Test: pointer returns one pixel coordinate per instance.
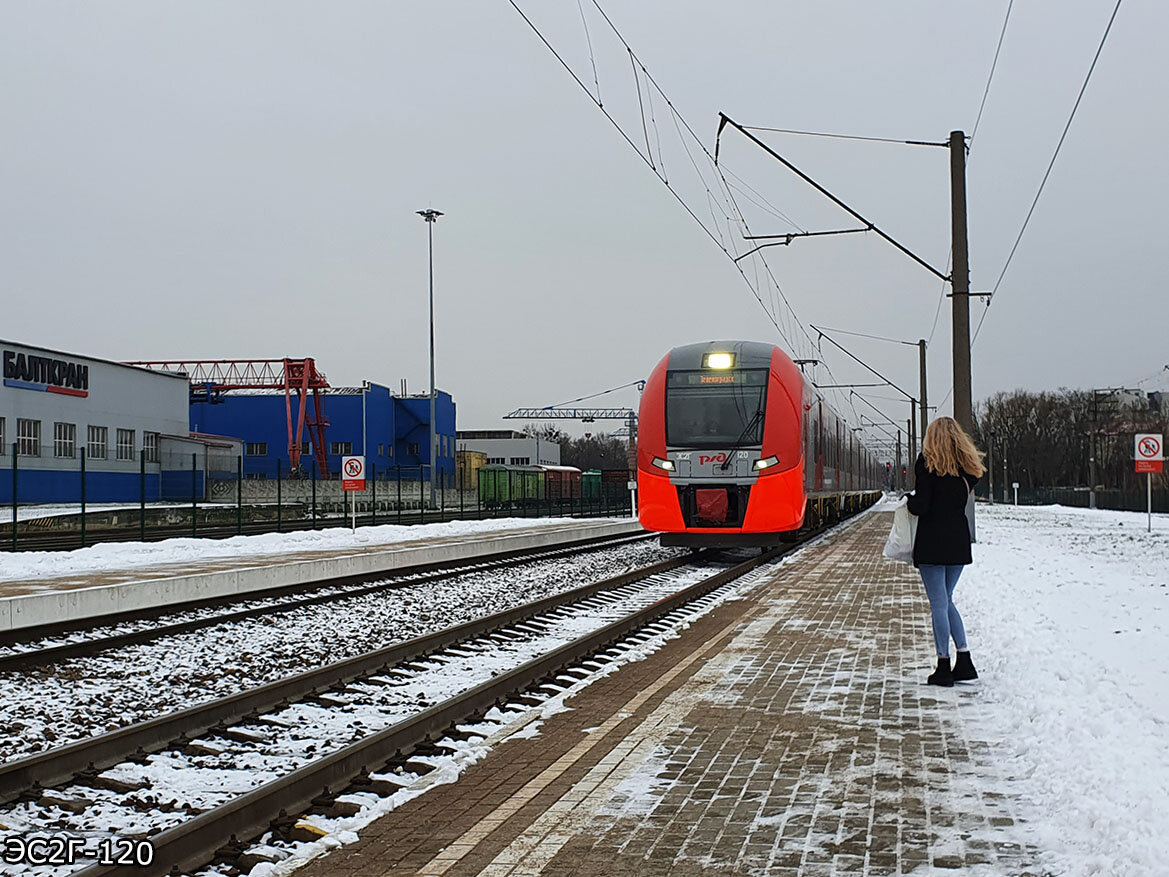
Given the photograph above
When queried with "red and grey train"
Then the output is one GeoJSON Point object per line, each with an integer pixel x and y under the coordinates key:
{"type": "Point", "coordinates": [737, 448]}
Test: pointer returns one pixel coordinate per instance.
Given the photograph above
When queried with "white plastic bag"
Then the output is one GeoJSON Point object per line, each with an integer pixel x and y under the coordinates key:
{"type": "Point", "coordinates": [899, 545]}
{"type": "Point", "coordinates": [970, 515]}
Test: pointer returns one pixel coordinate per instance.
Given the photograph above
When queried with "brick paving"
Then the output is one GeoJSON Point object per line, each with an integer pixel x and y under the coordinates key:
{"type": "Point", "coordinates": [786, 733]}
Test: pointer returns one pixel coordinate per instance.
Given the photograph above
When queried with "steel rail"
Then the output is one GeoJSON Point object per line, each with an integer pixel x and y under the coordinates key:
{"type": "Point", "coordinates": [501, 558]}
{"type": "Point", "coordinates": [58, 765]}
{"type": "Point", "coordinates": [86, 648]}
{"type": "Point", "coordinates": [192, 844]}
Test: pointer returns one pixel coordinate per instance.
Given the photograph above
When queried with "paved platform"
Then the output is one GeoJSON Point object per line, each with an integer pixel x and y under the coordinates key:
{"type": "Point", "coordinates": [43, 600]}
{"type": "Point", "coordinates": [786, 733]}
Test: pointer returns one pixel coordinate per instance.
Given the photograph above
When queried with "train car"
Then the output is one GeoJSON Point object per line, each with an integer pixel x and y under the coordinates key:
{"type": "Point", "coordinates": [561, 483]}
{"type": "Point", "coordinates": [610, 486]}
{"type": "Point", "coordinates": [510, 486]}
{"type": "Point", "coordinates": [590, 485]}
{"type": "Point", "coordinates": [737, 448]}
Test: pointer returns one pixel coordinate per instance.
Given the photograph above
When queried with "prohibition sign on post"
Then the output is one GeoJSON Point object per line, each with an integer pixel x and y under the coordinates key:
{"type": "Point", "coordinates": [1149, 452]}
{"type": "Point", "coordinates": [353, 473]}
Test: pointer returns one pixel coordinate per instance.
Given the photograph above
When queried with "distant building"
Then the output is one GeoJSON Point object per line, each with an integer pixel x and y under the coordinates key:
{"type": "Point", "coordinates": [128, 423]}
{"type": "Point", "coordinates": [510, 448]}
{"type": "Point", "coordinates": [391, 432]}
{"type": "Point", "coordinates": [1126, 399]}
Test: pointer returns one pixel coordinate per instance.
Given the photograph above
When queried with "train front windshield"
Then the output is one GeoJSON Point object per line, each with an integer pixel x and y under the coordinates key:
{"type": "Point", "coordinates": [715, 408]}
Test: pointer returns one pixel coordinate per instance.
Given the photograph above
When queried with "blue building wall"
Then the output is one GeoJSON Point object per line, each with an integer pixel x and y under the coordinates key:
{"type": "Point", "coordinates": [412, 443]}
{"type": "Point", "coordinates": [57, 486]}
{"type": "Point", "coordinates": [392, 425]}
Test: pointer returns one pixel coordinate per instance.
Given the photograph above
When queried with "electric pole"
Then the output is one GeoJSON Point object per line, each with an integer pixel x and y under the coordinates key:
{"type": "Point", "coordinates": [924, 403]}
{"type": "Point", "coordinates": [897, 476]}
{"type": "Point", "coordinates": [911, 456]}
{"type": "Point", "coordinates": [430, 216]}
{"type": "Point", "coordinates": [960, 292]}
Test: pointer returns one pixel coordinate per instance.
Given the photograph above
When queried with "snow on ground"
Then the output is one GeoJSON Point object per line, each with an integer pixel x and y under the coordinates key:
{"type": "Point", "coordinates": [1067, 611]}
{"type": "Point", "coordinates": [108, 556]}
{"type": "Point", "coordinates": [35, 512]}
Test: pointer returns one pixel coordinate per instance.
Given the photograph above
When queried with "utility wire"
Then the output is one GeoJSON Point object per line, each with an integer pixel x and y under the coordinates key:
{"type": "Point", "coordinates": [990, 78]}
{"type": "Point", "coordinates": [717, 232]}
{"type": "Point", "coordinates": [1050, 165]}
{"type": "Point", "coordinates": [595, 395]}
{"type": "Point", "coordinates": [846, 136]}
{"type": "Point", "coordinates": [1043, 182]}
{"type": "Point", "coordinates": [592, 57]}
{"type": "Point", "coordinates": [864, 335]}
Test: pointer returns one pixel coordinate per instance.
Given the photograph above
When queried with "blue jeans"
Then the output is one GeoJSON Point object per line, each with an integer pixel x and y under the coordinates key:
{"type": "Point", "coordinates": [939, 584]}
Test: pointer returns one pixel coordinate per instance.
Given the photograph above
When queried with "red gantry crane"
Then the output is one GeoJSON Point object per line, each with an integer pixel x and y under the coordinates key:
{"type": "Point", "coordinates": [212, 377]}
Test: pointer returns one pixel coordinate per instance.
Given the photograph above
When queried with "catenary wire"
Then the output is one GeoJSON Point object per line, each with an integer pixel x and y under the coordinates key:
{"type": "Point", "coordinates": [680, 120]}
{"type": "Point", "coordinates": [845, 136]}
{"type": "Point", "coordinates": [1047, 173]}
{"type": "Point", "coordinates": [1043, 182]}
{"type": "Point", "coordinates": [589, 41]}
{"type": "Point", "coordinates": [990, 78]}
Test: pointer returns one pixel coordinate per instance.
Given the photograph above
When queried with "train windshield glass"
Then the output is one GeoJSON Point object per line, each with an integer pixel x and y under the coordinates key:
{"type": "Point", "coordinates": [715, 409]}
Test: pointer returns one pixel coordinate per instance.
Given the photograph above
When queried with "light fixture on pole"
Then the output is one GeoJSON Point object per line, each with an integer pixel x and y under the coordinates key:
{"type": "Point", "coordinates": [430, 216]}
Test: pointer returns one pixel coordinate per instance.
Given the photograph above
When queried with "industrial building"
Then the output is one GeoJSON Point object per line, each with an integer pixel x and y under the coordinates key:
{"type": "Point", "coordinates": [510, 448]}
{"type": "Point", "coordinates": [391, 432]}
{"type": "Point", "coordinates": [126, 428]}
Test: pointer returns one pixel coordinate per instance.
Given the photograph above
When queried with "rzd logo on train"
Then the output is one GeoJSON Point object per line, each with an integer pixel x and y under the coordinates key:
{"type": "Point", "coordinates": [703, 459]}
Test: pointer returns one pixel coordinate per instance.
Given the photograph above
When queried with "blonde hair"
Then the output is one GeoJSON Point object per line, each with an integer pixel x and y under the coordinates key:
{"type": "Point", "coordinates": [948, 450]}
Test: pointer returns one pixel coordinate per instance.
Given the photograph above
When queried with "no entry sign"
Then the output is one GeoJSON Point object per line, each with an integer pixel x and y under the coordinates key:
{"type": "Point", "coordinates": [353, 473]}
{"type": "Point", "coordinates": [1149, 452]}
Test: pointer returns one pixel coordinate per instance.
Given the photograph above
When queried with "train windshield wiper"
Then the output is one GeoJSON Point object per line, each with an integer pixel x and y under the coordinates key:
{"type": "Point", "coordinates": [746, 429]}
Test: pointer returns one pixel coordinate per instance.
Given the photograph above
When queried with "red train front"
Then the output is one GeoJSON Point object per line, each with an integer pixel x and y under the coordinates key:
{"type": "Point", "coordinates": [732, 444]}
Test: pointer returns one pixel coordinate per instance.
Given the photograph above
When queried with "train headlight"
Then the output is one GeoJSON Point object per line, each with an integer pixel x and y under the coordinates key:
{"type": "Point", "coordinates": [718, 360]}
{"type": "Point", "coordinates": [668, 465]}
{"type": "Point", "coordinates": [767, 462]}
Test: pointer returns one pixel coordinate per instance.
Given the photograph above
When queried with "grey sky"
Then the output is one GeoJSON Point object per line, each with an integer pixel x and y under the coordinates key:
{"type": "Point", "coordinates": [241, 179]}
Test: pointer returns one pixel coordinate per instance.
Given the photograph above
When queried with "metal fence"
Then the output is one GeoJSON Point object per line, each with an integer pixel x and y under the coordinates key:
{"type": "Point", "coordinates": [1120, 500]}
{"type": "Point", "coordinates": [72, 502]}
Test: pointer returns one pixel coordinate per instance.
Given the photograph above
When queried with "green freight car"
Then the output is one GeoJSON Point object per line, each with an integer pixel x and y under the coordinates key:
{"type": "Point", "coordinates": [510, 487]}
{"type": "Point", "coordinates": [590, 486]}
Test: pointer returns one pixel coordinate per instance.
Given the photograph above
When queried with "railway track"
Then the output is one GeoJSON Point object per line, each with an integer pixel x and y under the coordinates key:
{"type": "Point", "coordinates": [356, 727]}
{"type": "Point", "coordinates": [46, 644]}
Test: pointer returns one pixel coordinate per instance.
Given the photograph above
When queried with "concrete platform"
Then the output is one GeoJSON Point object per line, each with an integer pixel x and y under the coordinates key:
{"type": "Point", "coordinates": [788, 733]}
{"type": "Point", "coordinates": [77, 597]}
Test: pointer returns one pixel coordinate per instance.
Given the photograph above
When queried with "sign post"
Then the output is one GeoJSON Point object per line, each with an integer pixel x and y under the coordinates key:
{"type": "Point", "coordinates": [1149, 455]}
{"type": "Point", "coordinates": [1015, 487]}
{"type": "Point", "coordinates": [353, 478]}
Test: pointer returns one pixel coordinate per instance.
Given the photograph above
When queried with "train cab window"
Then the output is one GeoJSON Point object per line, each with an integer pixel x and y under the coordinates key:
{"type": "Point", "coordinates": [705, 409]}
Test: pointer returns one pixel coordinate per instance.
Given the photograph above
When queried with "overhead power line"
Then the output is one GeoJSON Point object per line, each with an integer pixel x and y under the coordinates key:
{"type": "Point", "coordinates": [846, 136]}
{"type": "Point", "coordinates": [1051, 164]}
{"type": "Point", "coordinates": [1047, 173]}
{"type": "Point", "coordinates": [990, 78]}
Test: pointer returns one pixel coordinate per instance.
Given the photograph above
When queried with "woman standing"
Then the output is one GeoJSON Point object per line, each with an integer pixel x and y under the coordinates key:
{"type": "Point", "coordinates": [946, 471]}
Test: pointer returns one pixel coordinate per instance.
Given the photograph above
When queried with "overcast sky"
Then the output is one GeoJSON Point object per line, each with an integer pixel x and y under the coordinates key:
{"type": "Point", "coordinates": [240, 179]}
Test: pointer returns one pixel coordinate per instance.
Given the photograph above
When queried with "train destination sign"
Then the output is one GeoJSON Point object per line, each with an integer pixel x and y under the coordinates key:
{"type": "Point", "coordinates": [26, 371]}
{"type": "Point", "coordinates": [745, 377]}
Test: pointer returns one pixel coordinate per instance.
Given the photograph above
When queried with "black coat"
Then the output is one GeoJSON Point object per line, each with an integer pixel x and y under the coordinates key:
{"type": "Point", "coordinates": [939, 501]}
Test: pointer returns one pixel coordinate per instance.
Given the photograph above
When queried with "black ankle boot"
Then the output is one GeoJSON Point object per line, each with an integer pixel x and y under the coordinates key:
{"type": "Point", "coordinates": [964, 668]}
{"type": "Point", "coordinates": [942, 676]}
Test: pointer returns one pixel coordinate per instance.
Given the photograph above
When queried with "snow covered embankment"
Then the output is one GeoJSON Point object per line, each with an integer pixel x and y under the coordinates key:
{"type": "Point", "coordinates": [1068, 615]}
{"type": "Point", "coordinates": [108, 556]}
